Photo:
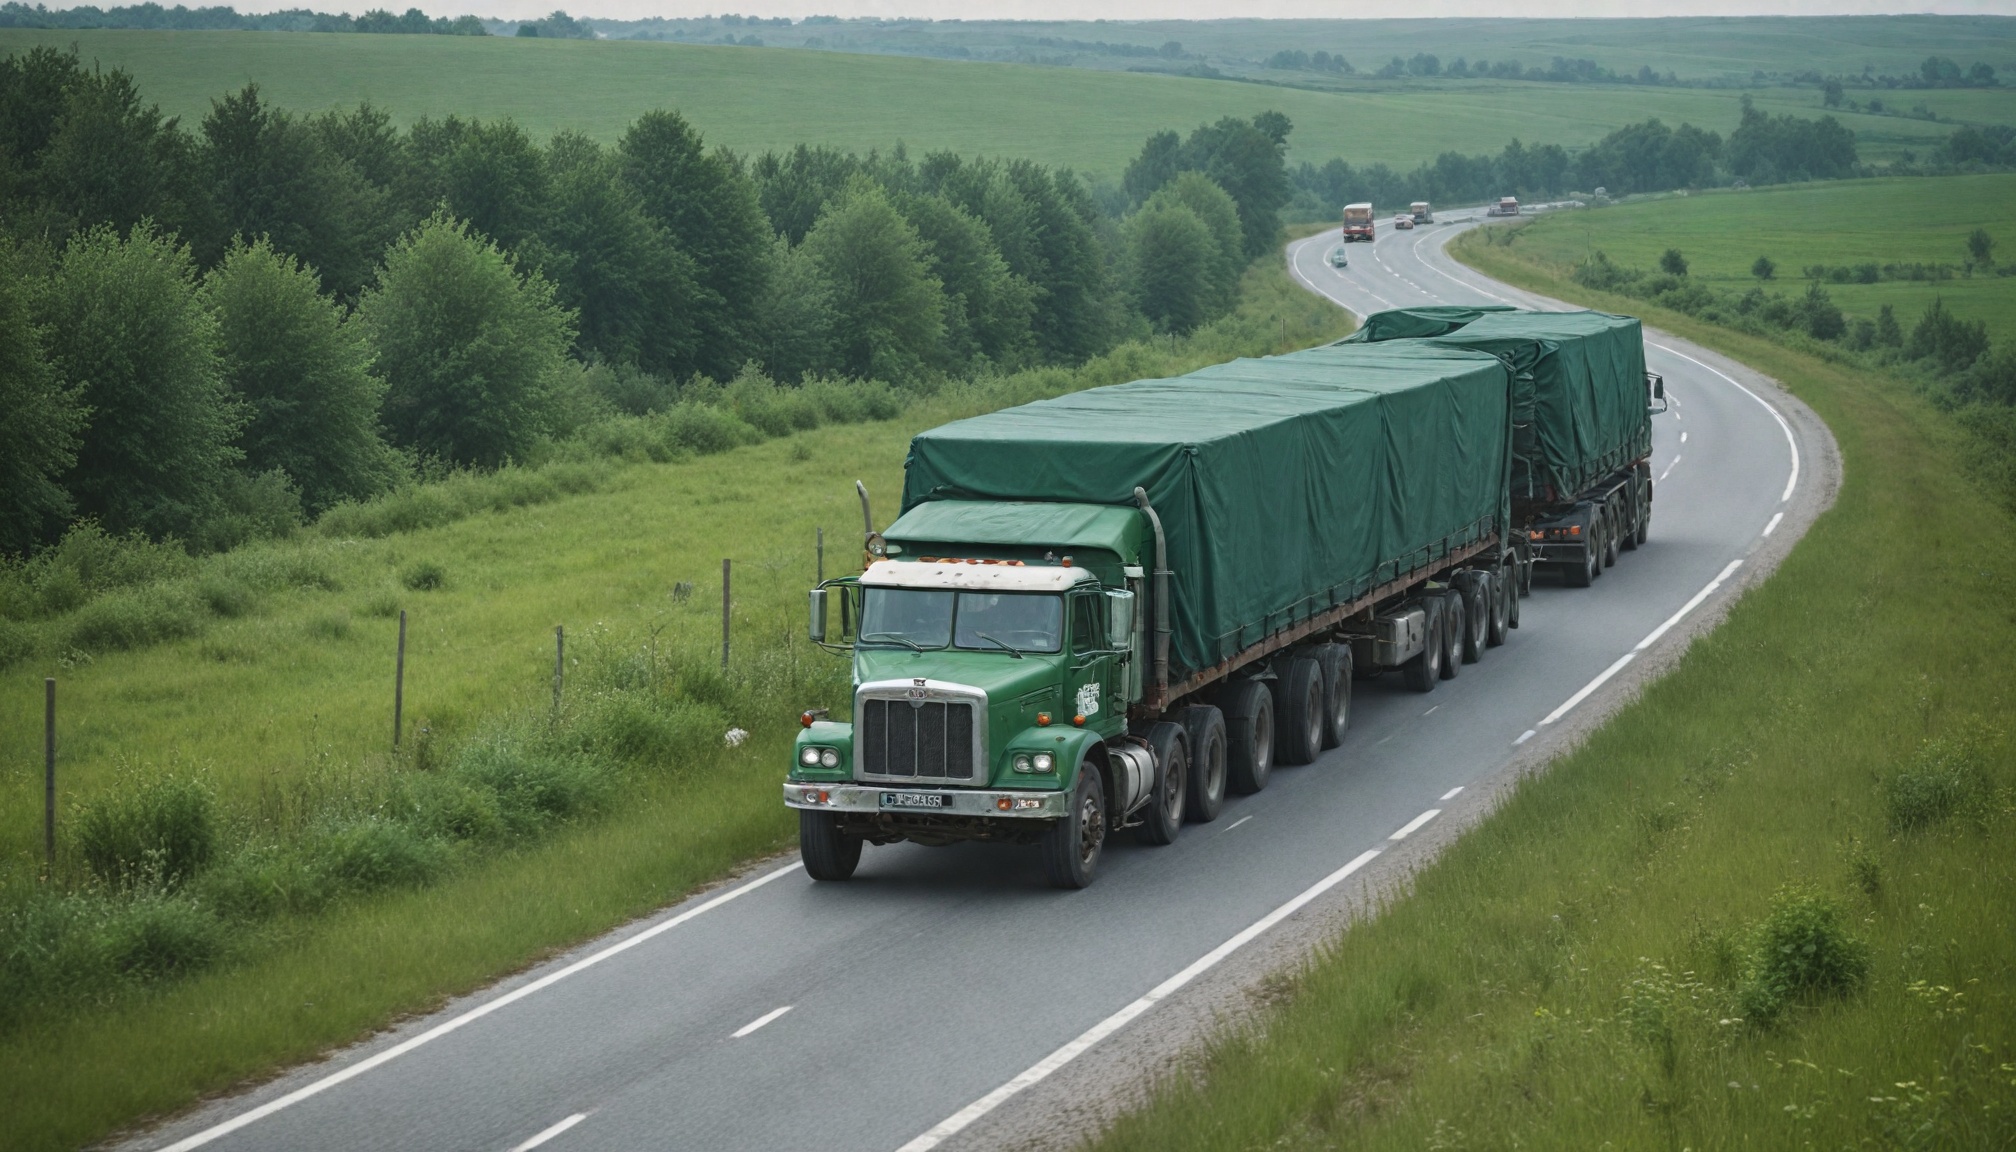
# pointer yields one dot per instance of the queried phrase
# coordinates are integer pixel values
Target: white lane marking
(1791, 442)
(1683, 437)
(1773, 525)
(1397, 276)
(1446, 276)
(958, 1121)
(1653, 638)
(1451, 793)
(1669, 468)
(1295, 266)
(1236, 823)
(469, 1017)
(1582, 694)
(759, 1022)
(550, 1133)
(1524, 736)
(1415, 824)
(1431, 711)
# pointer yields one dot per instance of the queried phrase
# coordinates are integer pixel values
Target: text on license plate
(916, 800)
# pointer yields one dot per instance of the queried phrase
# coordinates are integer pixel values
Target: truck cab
(1421, 213)
(996, 650)
(1358, 223)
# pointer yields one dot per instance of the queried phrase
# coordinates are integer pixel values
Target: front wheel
(1071, 848)
(829, 853)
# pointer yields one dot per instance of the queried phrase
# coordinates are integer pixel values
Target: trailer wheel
(1423, 671)
(1249, 737)
(829, 853)
(1521, 576)
(1613, 534)
(1475, 588)
(1645, 513)
(1164, 815)
(1299, 735)
(1336, 662)
(1206, 726)
(1071, 848)
(1583, 573)
(1453, 628)
(1499, 595)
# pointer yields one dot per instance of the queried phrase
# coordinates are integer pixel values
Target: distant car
(1338, 259)
(1403, 221)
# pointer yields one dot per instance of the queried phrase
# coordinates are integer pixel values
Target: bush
(136, 619)
(652, 733)
(1802, 953)
(1944, 780)
(16, 642)
(155, 832)
(534, 786)
(157, 935)
(423, 576)
(371, 854)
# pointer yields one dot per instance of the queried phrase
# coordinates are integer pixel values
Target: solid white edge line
(1451, 793)
(550, 1133)
(1791, 481)
(1773, 525)
(1236, 823)
(1414, 825)
(1525, 736)
(1446, 236)
(960, 1120)
(1582, 694)
(474, 1014)
(759, 1022)
(1707, 591)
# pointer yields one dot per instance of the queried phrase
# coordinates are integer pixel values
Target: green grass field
(1882, 221)
(753, 99)
(1583, 969)
(288, 708)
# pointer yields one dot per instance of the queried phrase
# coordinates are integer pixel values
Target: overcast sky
(1135, 9)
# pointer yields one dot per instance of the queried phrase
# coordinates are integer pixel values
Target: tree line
(1649, 156)
(212, 332)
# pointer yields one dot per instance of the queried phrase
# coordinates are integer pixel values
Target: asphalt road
(784, 1014)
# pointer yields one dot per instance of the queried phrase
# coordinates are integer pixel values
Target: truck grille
(922, 739)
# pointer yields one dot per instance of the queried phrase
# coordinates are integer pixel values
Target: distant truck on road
(1103, 611)
(1506, 206)
(1421, 213)
(1358, 222)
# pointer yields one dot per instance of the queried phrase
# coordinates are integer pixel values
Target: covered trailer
(1582, 402)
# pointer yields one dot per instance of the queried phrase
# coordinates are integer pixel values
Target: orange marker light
(1079, 721)
(1004, 803)
(1042, 719)
(805, 719)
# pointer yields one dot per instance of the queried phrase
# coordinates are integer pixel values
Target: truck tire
(829, 853)
(1206, 726)
(1499, 592)
(1424, 670)
(1613, 532)
(1336, 662)
(1645, 513)
(1163, 818)
(1521, 576)
(1072, 846)
(1453, 628)
(1298, 737)
(1249, 737)
(1475, 587)
(1583, 572)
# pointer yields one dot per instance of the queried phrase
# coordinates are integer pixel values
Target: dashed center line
(550, 1133)
(1773, 525)
(1236, 823)
(759, 1022)
(1670, 467)
(1525, 736)
(1451, 793)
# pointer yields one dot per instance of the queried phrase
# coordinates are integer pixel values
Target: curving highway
(947, 997)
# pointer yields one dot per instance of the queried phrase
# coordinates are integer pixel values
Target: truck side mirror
(1658, 386)
(818, 607)
(1120, 619)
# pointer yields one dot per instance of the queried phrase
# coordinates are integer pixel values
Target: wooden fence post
(399, 683)
(559, 662)
(49, 777)
(724, 615)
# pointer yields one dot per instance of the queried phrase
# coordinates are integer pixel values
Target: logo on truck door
(1088, 698)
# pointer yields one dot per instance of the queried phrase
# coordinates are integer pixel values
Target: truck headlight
(808, 757)
(1023, 764)
(1045, 762)
(828, 758)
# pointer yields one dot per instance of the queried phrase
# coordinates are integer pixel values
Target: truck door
(1089, 686)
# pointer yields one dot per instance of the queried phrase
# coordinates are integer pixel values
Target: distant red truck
(1358, 222)
(1506, 206)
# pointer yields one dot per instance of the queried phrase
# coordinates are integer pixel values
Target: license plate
(916, 800)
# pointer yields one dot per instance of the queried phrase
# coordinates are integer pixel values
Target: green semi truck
(1105, 611)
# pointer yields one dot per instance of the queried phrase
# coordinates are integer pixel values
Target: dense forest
(211, 334)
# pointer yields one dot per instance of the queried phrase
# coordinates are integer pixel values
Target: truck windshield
(988, 621)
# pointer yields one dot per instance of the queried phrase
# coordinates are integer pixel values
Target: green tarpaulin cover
(1579, 402)
(1427, 320)
(1285, 485)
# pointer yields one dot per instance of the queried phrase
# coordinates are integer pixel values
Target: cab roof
(972, 575)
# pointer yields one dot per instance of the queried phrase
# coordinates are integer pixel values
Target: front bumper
(867, 799)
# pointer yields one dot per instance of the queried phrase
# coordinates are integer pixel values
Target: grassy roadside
(1767, 905)
(287, 708)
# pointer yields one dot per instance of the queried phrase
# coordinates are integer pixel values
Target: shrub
(16, 642)
(703, 429)
(1802, 952)
(423, 576)
(1944, 780)
(633, 727)
(371, 854)
(157, 935)
(453, 809)
(156, 832)
(533, 785)
(224, 597)
(134, 619)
